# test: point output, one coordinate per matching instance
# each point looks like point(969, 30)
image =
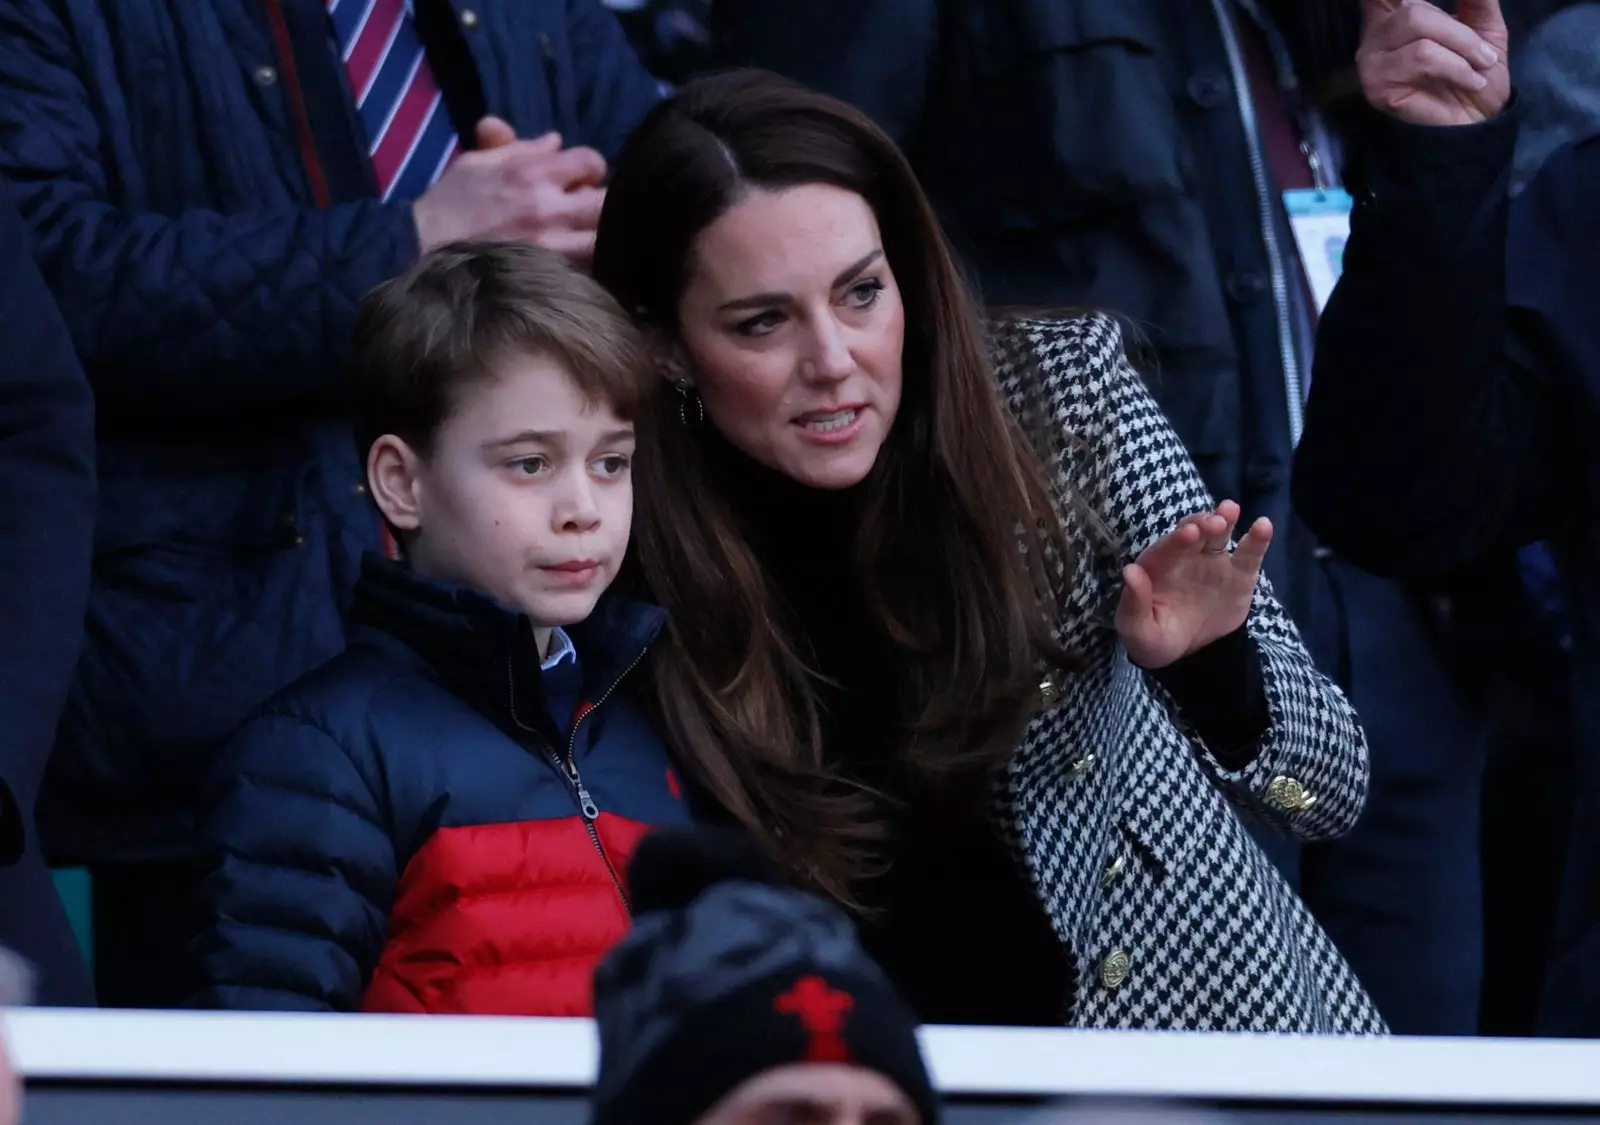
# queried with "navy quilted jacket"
point(46, 518)
point(158, 156)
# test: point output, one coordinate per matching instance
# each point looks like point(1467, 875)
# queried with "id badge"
point(1320, 218)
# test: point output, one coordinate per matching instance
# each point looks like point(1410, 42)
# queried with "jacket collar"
point(484, 651)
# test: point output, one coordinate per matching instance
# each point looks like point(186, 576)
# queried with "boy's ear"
point(393, 472)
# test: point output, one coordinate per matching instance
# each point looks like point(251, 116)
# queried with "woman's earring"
point(689, 398)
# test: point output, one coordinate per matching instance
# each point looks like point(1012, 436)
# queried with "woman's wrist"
point(1220, 695)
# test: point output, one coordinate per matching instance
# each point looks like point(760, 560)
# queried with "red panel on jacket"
point(504, 919)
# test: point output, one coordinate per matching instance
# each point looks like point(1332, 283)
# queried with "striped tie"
point(409, 134)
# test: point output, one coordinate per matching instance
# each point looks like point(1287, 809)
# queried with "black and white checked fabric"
point(1129, 827)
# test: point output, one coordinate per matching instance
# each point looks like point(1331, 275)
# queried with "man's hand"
point(1427, 68)
point(523, 191)
point(496, 132)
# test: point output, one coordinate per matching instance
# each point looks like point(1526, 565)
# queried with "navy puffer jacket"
point(430, 822)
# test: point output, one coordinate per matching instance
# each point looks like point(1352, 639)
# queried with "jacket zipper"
point(1269, 224)
point(568, 767)
point(591, 811)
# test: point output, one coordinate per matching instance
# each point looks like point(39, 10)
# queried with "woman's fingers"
point(1218, 528)
point(1166, 552)
point(1252, 549)
point(1201, 533)
point(1138, 594)
point(1212, 532)
point(1208, 533)
point(1137, 580)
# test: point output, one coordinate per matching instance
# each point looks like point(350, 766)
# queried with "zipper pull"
point(591, 811)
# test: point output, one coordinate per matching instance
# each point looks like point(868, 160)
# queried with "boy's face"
point(526, 495)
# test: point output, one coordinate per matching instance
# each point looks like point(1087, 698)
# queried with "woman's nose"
point(829, 359)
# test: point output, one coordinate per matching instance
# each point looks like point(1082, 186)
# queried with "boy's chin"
point(562, 610)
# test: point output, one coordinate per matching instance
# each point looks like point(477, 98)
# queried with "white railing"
point(438, 1051)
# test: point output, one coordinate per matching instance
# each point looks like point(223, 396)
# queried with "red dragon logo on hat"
point(821, 1009)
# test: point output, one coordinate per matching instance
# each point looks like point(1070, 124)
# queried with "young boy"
point(437, 820)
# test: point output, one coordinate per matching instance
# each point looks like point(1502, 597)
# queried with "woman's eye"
point(613, 466)
point(866, 294)
point(762, 325)
point(529, 466)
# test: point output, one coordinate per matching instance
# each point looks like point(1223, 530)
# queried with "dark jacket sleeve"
point(183, 314)
point(615, 91)
point(47, 496)
point(878, 55)
point(301, 874)
point(1435, 431)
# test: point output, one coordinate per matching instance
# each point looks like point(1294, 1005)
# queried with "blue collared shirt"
point(562, 678)
point(561, 649)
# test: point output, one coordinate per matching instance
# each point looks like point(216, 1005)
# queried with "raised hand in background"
point(1426, 67)
point(518, 190)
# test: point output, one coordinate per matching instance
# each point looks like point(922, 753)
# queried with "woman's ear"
point(668, 356)
point(393, 476)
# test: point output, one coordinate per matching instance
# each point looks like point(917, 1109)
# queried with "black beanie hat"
point(727, 974)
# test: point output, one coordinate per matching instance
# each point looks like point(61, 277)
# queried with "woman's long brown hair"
point(961, 550)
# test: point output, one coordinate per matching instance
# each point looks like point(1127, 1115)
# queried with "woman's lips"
point(832, 427)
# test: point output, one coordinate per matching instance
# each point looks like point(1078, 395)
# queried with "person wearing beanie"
point(737, 1000)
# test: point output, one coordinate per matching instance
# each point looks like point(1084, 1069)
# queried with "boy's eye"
point(530, 466)
point(613, 466)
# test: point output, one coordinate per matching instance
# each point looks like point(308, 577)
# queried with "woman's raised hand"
point(1190, 589)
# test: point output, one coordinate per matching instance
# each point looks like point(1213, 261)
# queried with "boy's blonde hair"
point(460, 310)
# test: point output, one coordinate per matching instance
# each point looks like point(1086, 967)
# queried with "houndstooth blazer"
point(1171, 915)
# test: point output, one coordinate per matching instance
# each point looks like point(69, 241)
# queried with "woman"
point(939, 655)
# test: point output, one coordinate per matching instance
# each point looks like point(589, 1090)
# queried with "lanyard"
point(1317, 145)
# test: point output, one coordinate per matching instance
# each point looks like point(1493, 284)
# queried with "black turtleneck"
point(955, 920)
